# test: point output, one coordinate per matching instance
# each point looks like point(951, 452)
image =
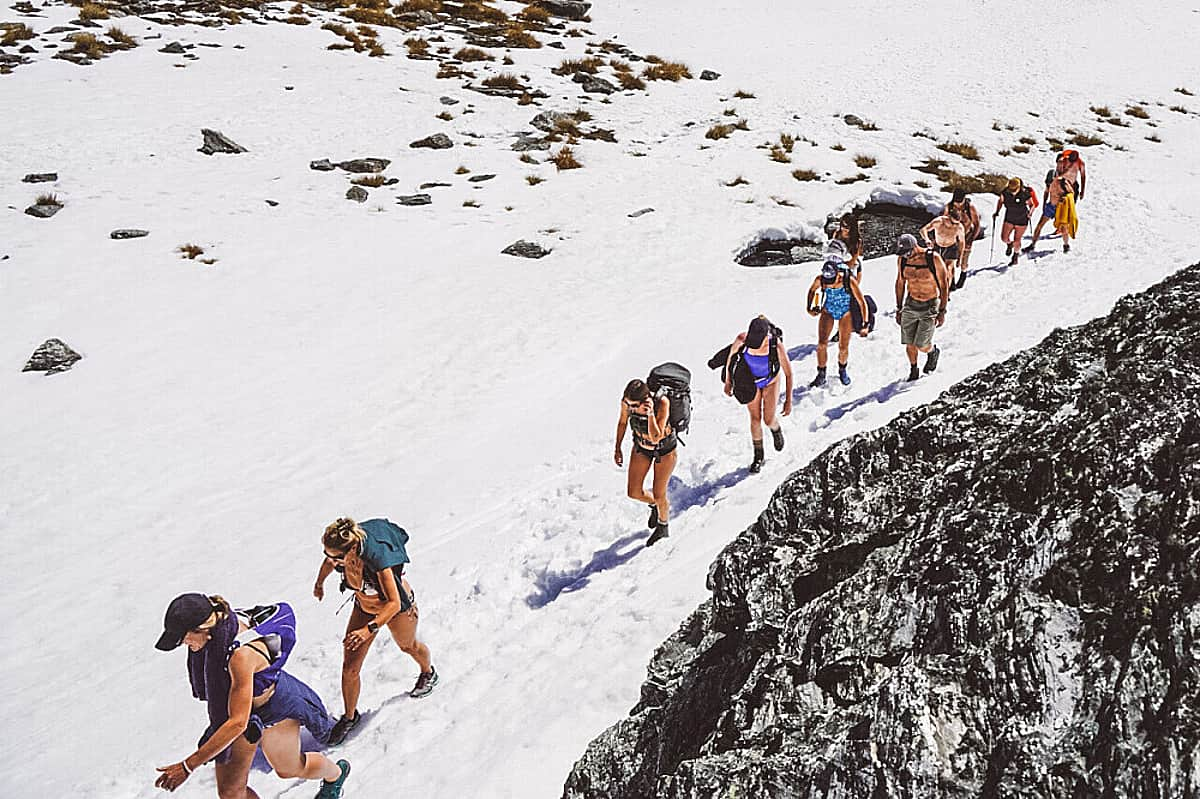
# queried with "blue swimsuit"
point(837, 302)
point(760, 367)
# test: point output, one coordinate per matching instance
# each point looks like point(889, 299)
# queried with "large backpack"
point(673, 381)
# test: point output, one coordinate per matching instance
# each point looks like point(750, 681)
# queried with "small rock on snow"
point(525, 249)
point(52, 357)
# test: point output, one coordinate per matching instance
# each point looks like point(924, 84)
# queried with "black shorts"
point(665, 447)
point(949, 253)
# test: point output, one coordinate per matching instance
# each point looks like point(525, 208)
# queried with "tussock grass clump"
point(479, 12)
point(462, 170)
point(620, 66)
point(921, 184)
point(1137, 112)
point(445, 116)
point(375, 50)
point(864, 161)
point(417, 47)
point(565, 159)
point(779, 155)
point(516, 36)
point(738, 181)
point(48, 199)
point(1005, 153)
point(932, 166)
point(297, 19)
point(190, 251)
point(370, 181)
point(570, 66)
point(630, 82)
point(1020, 148)
point(1117, 121)
point(742, 95)
point(533, 180)
point(1086, 140)
point(122, 39)
point(1101, 110)
point(666, 70)
point(504, 80)
point(805, 175)
point(15, 32)
point(839, 147)
point(89, 45)
point(787, 141)
point(508, 62)
point(1180, 109)
point(451, 71)
point(473, 54)
point(93, 11)
point(986, 183)
point(1184, 91)
point(526, 158)
point(846, 181)
point(719, 131)
point(1027, 140)
point(470, 204)
point(525, 99)
point(1153, 137)
point(961, 149)
point(408, 6)
point(372, 16)
point(534, 14)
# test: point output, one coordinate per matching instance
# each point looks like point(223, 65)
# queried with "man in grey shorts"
point(922, 291)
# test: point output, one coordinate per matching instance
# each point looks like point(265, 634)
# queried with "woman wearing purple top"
point(235, 665)
point(758, 356)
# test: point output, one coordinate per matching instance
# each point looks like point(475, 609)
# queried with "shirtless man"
point(1068, 175)
point(969, 216)
point(924, 275)
point(949, 240)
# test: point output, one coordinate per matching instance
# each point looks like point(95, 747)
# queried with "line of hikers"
point(659, 408)
point(236, 662)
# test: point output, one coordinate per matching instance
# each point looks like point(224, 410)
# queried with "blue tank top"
point(275, 625)
point(760, 367)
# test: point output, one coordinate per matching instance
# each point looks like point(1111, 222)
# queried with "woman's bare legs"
point(639, 467)
point(662, 477)
point(281, 746)
point(233, 774)
point(824, 328)
point(403, 628)
point(352, 660)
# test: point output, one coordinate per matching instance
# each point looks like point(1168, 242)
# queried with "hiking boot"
point(819, 380)
point(660, 532)
point(1066, 248)
point(913, 373)
point(1013, 260)
point(1008, 250)
point(759, 458)
point(333, 790)
point(652, 522)
point(777, 438)
point(1028, 249)
point(343, 727)
point(845, 378)
point(425, 682)
point(931, 360)
point(962, 279)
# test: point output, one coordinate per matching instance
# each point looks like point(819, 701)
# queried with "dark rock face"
point(217, 142)
point(480, 178)
point(593, 84)
point(364, 165)
point(356, 193)
point(128, 233)
point(43, 210)
point(781, 250)
point(40, 177)
point(174, 48)
point(438, 141)
point(567, 9)
point(52, 357)
point(882, 223)
point(322, 165)
point(995, 595)
point(414, 199)
point(525, 249)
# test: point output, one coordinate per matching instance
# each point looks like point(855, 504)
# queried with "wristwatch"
point(372, 627)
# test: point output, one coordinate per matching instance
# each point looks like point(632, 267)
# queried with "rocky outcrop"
point(525, 249)
point(363, 165)
point(217, 142)
point(52, 357)
point(995, 595)
point(567, 9)
point(438, 141)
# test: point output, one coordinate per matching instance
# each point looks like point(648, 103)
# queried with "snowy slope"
point(377, 359)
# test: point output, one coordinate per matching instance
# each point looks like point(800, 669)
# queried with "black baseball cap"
point(760, 328)
point(186, 612)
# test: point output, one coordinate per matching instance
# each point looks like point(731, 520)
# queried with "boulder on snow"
point(417, 17)
point(525, 249)
point(853, 120)
point(479, 178)
point(414, 199)
point(52, 357)
point(438, 141)
point(444, 100)
point(40, 177)
point(567, 9)
point(547, 121)
point(593, 84)
point(128, 233)
point(526, 142)
point(43, 210)
point(424, 186)
point(174, 48)
point(321, 166)
point(641, 212)
point(356, 193)
point(708, 74)
point(364, 165)
point(217, 142)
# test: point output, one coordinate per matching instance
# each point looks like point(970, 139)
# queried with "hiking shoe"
point(931, 360)
point(777, 438)
point(342, 728)
point(913, 373)
point(660, 532)
point(845, 378)
point(333, 790)
point(962, 279)
point(652, 522)
point(425, 682)
point(819, 380)
point(1066, 248)
point(1028, 249)
point(1008, 250)
point(1013, 260)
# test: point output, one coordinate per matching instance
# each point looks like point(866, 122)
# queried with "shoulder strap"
point(933, 270)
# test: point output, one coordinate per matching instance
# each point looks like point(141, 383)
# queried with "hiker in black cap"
point(752, 369)
point(655, 445)
point(922, 291)
point(235, 664)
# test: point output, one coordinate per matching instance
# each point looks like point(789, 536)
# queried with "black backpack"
point(674, 381)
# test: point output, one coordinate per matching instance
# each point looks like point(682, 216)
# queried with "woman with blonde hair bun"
point(370, 557)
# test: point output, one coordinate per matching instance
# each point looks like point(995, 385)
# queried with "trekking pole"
point(992, 254)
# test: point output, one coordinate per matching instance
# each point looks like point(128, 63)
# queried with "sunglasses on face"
point(336, 558)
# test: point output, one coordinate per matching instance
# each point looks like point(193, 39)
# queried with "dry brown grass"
point(1137, 112)
point(1020, 148)
point(533, 180)
point(373, 16)
point(473, 54)
point(534, 14)
point(504, 80)
point(779, 155)
point(470, 204)
point(525, 99)
point(738, 181)
point(565, 159)
point(719, 131)
point(666, 70)
point(516, 36)
point(805, 175)
point(1179, 109)
point(962, 149)
point(787, 141)
point(526, 158)
point(630, 82)
point(743, 95)
point(297, 19)
point(864, 161)
point(570, 66)
point(479, 12)
point(93, 11)
point(191, 251)
point(298, 8)
point(1101, 111)
point(417, 47)
point(432, 6)
point(370, 181)
point(445, 116)
point(1086, 140)
point(123, 39)
point(1184, 91)
point(839, 147)
point(1027, 140)
point(48, 199)
point(89, 45)
point(620, 66)
point(984, 183)
point(15, 32)
point(462, 170)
